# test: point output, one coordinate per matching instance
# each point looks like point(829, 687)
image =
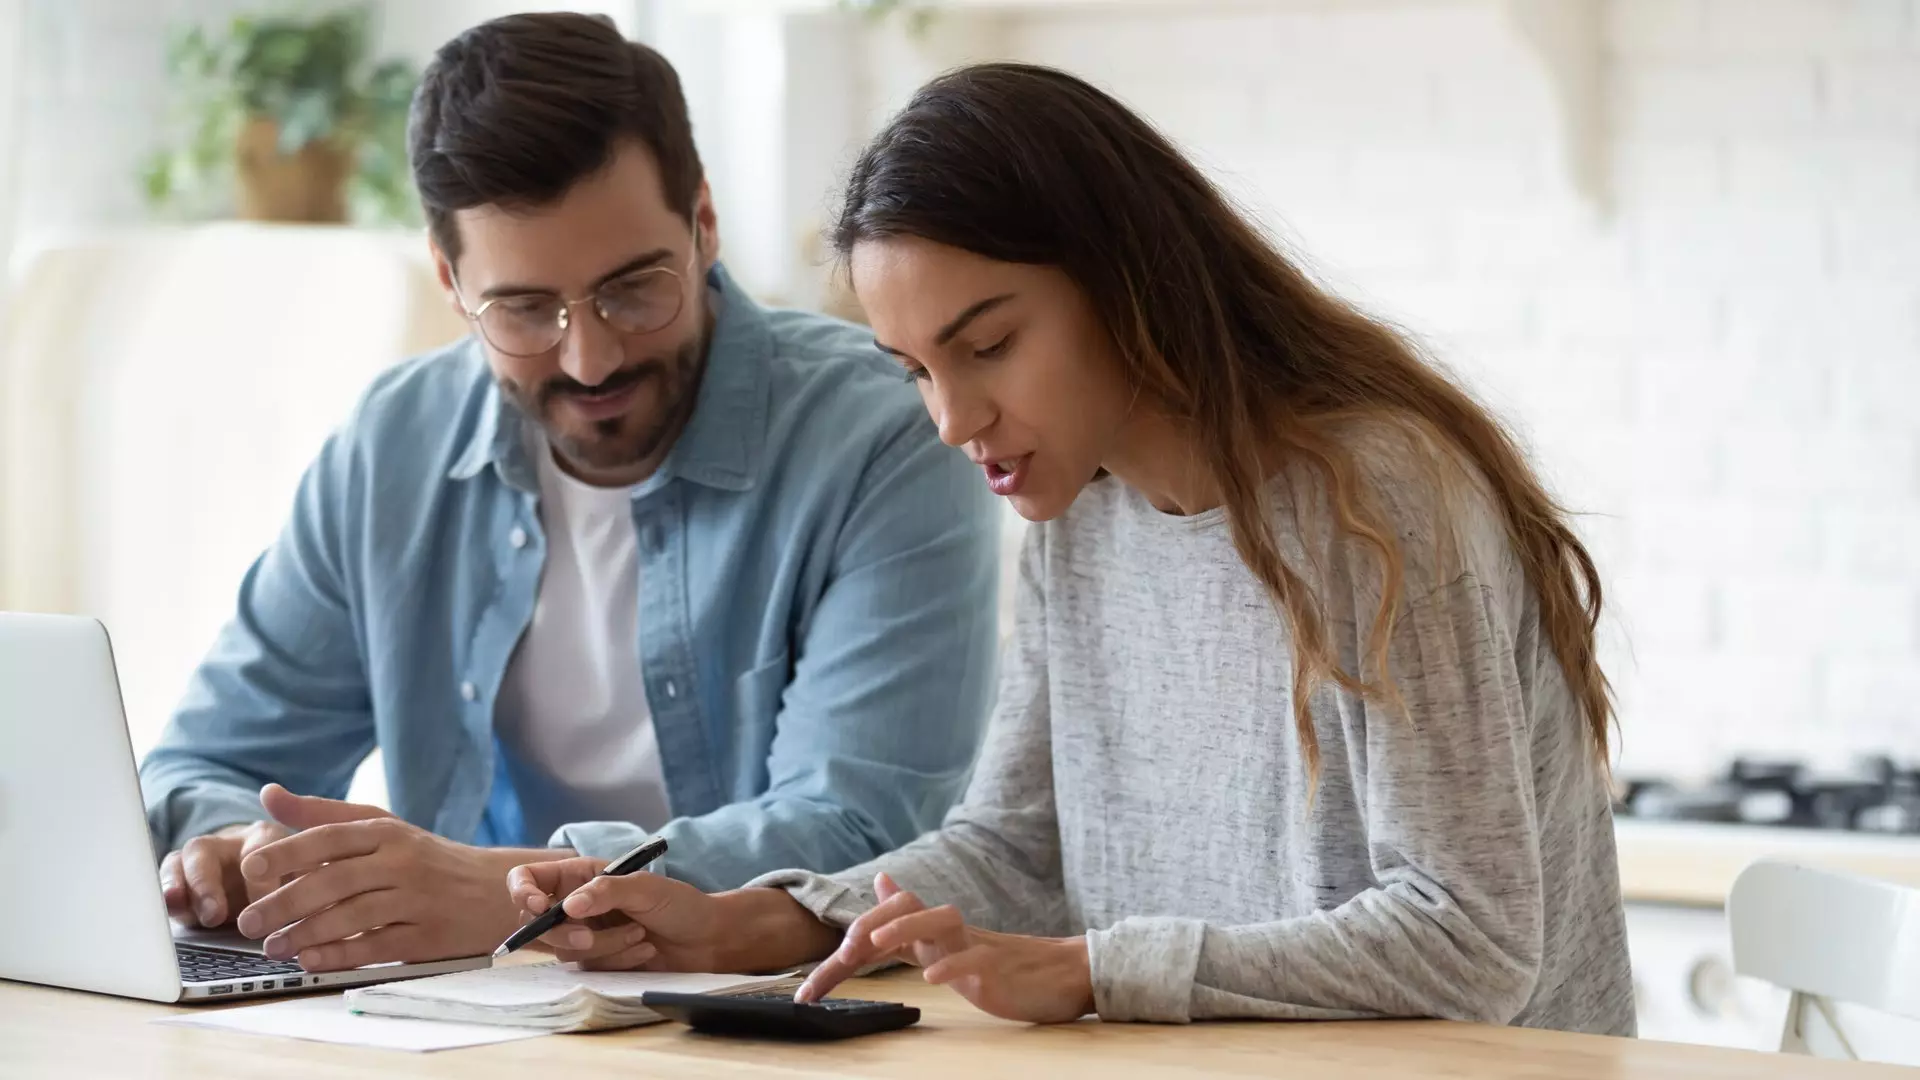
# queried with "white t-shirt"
point(572, 702)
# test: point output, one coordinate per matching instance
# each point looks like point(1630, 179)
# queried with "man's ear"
point(706, 228)
point(443, 270)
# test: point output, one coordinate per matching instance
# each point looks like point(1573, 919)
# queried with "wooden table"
point(57, 1033)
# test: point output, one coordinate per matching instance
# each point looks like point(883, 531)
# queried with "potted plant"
point(919, 16)
point(286, 119)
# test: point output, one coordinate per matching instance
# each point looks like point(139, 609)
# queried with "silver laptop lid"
point(83, 907)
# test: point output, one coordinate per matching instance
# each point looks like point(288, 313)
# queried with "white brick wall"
point(1724, 373)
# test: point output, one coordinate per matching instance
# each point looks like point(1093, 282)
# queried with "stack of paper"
point(550, 997)
point(326, 1019)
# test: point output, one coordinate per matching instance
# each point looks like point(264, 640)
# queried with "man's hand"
point(202, 881)
point(368, 888)
point(1014, 977)
point(650, 921)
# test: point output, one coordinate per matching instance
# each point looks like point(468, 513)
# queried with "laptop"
point(83, 908)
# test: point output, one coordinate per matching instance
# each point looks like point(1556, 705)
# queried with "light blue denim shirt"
point(817, 616)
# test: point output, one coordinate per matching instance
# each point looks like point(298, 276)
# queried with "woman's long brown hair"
point(1027, 164)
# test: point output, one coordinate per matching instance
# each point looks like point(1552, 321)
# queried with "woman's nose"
point(958, 416)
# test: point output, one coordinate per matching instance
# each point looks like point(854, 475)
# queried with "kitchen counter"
point(1695, 863)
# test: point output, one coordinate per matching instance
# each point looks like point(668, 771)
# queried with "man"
point(637, 556)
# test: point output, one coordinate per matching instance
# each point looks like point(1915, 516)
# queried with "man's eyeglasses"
point(532, 324)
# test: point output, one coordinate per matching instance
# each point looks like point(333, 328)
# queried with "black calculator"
point(778, 1016)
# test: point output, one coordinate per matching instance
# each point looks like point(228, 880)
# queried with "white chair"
point(1846, 947)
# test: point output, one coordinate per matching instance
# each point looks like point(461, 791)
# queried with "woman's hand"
point(651, 921)
point(1039, 980)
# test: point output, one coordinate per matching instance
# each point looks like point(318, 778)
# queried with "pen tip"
point(499, 952)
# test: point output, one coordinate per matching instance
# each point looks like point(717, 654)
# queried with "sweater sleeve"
point(996, 857)
point(1451, 924)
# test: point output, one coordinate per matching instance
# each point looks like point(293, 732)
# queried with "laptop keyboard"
point(203, 965)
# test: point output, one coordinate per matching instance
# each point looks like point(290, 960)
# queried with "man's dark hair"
point(516, 110)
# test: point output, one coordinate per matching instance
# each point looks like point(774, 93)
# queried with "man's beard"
point(628, 439)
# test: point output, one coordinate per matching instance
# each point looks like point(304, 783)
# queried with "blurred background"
point(1676, 243)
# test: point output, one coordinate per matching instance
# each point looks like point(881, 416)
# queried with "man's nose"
point(589, 349)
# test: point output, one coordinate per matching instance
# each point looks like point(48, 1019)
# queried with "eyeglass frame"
point(565, 313)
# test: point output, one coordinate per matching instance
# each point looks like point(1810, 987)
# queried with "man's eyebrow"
point(638, 262)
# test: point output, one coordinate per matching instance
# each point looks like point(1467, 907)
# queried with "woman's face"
point(1010, 359)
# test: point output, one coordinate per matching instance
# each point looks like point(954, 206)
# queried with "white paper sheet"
point(325, 1018)
point(525, 985)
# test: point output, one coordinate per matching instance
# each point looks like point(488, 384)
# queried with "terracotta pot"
point(308, 186)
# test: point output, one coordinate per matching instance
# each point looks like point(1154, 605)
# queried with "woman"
point(1302, 717)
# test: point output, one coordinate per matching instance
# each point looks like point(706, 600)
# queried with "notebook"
point(548, 996)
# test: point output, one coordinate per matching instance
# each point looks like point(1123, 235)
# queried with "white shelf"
point(1558, 40)
point(1175, 7)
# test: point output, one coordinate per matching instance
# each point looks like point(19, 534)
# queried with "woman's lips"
point(1006, 476)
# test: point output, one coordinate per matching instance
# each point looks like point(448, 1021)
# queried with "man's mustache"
point(620, 380)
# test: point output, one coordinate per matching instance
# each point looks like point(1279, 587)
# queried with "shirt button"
point(469, 691)
point(517, 538)
point(672, 689)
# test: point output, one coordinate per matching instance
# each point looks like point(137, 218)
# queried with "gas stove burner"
point(1875, 795)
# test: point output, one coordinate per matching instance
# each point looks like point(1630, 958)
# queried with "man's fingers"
point(354, 915)
point(173, 886)
point(626, 960)
point(385, 945)
point(206, 885)
point(308, 811)
point(312, 892)
point(533, 885)
point(637, 895)
point(524, 888)
point(256, 890)
point(577, 944)
point(307, 851)
point(257, 836)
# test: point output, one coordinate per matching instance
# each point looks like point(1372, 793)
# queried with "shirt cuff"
point(605, 840)
point(832, 902)
point(1143, 969)
point(196, 810)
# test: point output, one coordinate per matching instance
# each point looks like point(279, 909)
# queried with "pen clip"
point(643, 853)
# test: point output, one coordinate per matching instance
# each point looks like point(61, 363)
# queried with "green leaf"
point(156, 179)
point(308, 116)
point(392, 83)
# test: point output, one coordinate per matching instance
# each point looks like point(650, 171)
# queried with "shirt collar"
point(721, 444)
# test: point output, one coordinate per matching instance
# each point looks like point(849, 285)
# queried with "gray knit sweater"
point(1143, 784)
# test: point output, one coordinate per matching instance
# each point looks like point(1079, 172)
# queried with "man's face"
point(610, 398)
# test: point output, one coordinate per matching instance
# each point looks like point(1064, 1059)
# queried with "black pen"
point(554, 916)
